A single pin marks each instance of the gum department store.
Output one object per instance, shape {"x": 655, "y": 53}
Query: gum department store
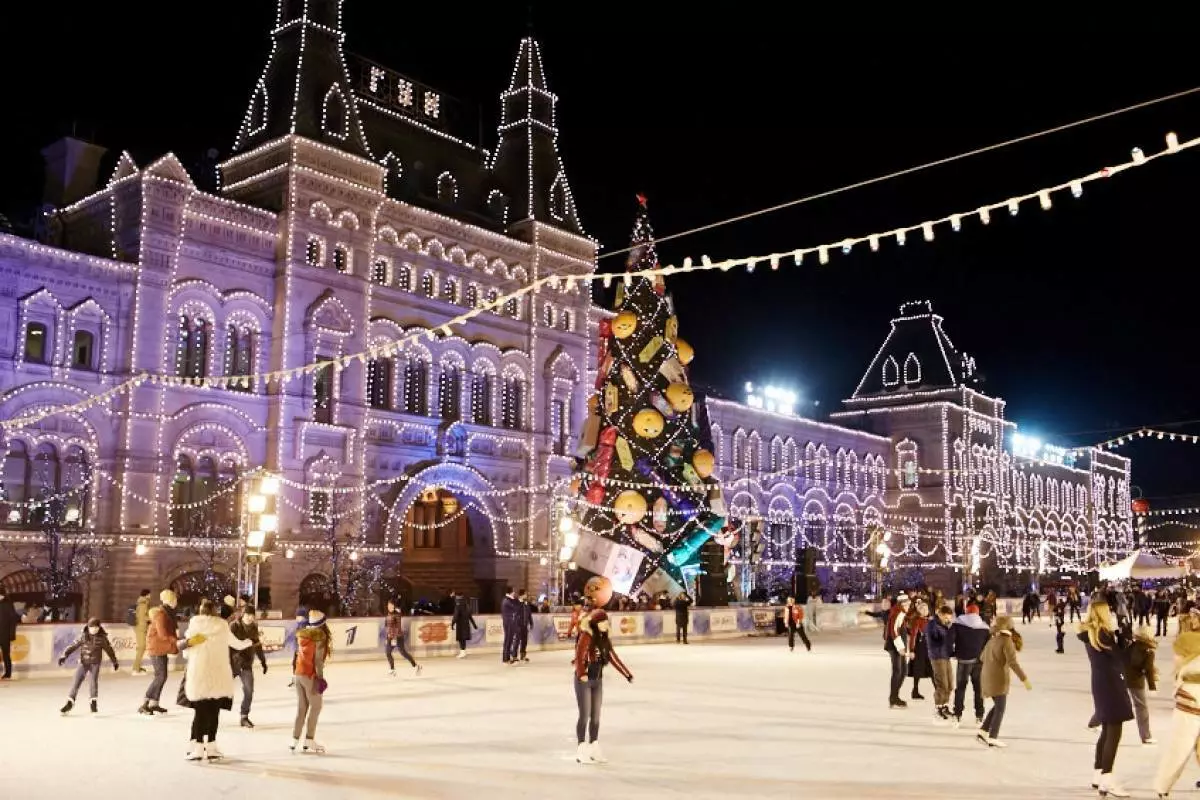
{"x": 351, "y": 215}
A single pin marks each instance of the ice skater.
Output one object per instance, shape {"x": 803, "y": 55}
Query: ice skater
{"x": 510, "y": 617}
{"x": 462, "y": 623}
{"x": 1140, "y": 675}
{"x": 968, "y": 636}
{"x": 162, "y": 642}
{"x": 793, "y": 618}
{"x": 314, "y": 646}
{"x": 301, "y": 621}
{"x": 8, "y": 633}
{"x": 93, "y": 645}
{"x": 999, "y": 657}
{"x": 1113, "y": 708}
{"x": 937, "y": 638}
{"x": 683, "y": 605}
{"x": 242, "y": 661}
{"x": 919, "y": 666}
{"x": 394, "y": 632}
{"x": 1184, "y": 743}
{"x": 524, "y": 625}
{"x": 593, "y": 651}
{"x": 208, "y": 682}
{"x": 1060, "y": 620}
{"x": 141, "y": 624}
{"x": 895, "y": 642}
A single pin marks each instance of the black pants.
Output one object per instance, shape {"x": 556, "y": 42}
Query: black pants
{"x": 1027, "y": 615}
{"x": 397, "y": 644}
{"x": 205, "y": 715}
{"x": 510, "y": 643}
{"x": 969, "y": 671}
{"x": 898, "y": 669}
{"x": 1143, "y": 618}
{"x": 6, "y": 653}
{"x": 522, "y": 641}
{"x": 995, "y": 716}
{"x": 1160, "y": 628}
{"x": 681, "y": 631}
{"x": 1059, "y": 637}
{"x": 1106, "y": 746}
{"x": 1073, "y": 613}
{"x": 793, "y": 632}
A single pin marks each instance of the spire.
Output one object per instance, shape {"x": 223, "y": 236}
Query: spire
{"x": 916, "y": 355}
{"x": 526, "y": 160}
{"x": 304, "y": 88}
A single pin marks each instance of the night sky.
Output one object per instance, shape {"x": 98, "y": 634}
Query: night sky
{"x": 1082, "y": 317}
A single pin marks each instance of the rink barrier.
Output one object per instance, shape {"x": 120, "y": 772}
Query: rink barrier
{"x": 38, "y": 647}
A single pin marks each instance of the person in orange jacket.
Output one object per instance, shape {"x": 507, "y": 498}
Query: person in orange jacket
{"x": 593, "y": 651}
{"x": 793, "y": 618}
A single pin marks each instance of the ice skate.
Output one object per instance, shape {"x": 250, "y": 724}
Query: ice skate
{"x": 583, "y": 754}
{"x": 246, "y": 723}
{"x": 917, "y": 695}
{"x": 66, "y": 709}
{"x": 93, "y": 706}
{"x": 597, "y": 755}
{"x": 1110, "y": 788}
{"x": 1096, "y": 779}
{"x": 461, "y": 654}
{"x": 294, "y": 745}
{"x": 896, "y": 702}
{"x": 391, "y": 673}
{"x": 138, "y": 671}
{"x": 417, "y": 669}
{"x": 1149, "y": 740}
{"x": 212, "y": 752}
{"x": 144, "y": 708}
{"x": 157, "y": 709}
{"x": 195, "y": 751}
{"x": 311, "y": 746}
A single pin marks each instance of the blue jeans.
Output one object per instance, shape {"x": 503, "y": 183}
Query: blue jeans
{"x": 247, "y": 676}
{"x": 589, "y": 697}
{"x": 92, "y": 671}
{"x": 154, "y": 690}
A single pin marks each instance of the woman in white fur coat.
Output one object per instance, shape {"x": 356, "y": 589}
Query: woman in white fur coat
{"x": 208, "y": 684}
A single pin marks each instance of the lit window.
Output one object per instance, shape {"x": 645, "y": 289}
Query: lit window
{"x": 36, "y": 335}
{"x": 82, "y": 350}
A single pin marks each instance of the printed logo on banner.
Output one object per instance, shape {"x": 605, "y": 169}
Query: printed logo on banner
{"x": 20, "y": 648}
{"x": 351, "y": 632}
{"x": 562, "y": 624}
{"x": 271, "y": 638}
{"x": 123, "y": 642}
{"x": 433, "y": 632}
{"x": 764, "y": 618}
{"x": 722, "y": 621}
{"x": 627, "y": 625}
{"x": 653, "y": 623}
{"x": 494, "y": 630}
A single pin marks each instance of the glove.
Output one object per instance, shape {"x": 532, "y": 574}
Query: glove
{"x": 62, "y": 661}
{"x": 1028, "y": 685}
{"x": 264, "y": 666}
{"x": 116, "y": 667}
{"x": 583, "y": 678}
{"x": 199, "y": 638}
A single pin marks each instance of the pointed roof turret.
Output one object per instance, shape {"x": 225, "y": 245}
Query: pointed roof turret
{"x": 305, "y": 88}
{"x": 526, "y": 160}
{"x": 916, "y": 355}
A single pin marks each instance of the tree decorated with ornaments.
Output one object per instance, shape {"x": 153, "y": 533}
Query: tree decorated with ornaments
{"x": 643, "y": 492}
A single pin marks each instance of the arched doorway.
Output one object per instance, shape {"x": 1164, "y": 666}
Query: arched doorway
{"x": 192, "y": 587}
{"x": 27, "y": 586}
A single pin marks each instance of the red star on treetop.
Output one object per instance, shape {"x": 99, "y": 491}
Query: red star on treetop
{"x": 641, "y": 198}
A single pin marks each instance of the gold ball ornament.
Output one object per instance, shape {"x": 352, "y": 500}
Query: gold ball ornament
{"x": 679, "y": 395}
{"x": 648, "y": 423}
{"x": 630, "y": 507}
{"x": 624, "y": 324}
{"x": 685, "y": 352}
{"x": 703, "y": 463}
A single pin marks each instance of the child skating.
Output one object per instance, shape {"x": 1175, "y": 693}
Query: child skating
{"x": 92, "y": 645}
{"x": 1060, "y": 619}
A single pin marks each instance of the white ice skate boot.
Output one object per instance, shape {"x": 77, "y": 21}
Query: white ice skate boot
{"x": 461, "y": 654}
{"x": 1096, "y": 779}
{"x": 311, "y": 747}
{"x": 596, "y": 753}
{"x": 195, "y": 751}
{"x": 1110, "y": 788}
{"x": 212, "y": 752}
{"x": 583, "y": 754}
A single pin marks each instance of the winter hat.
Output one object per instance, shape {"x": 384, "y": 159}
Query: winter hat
{"x": 972, "y": 608}
{"x": 316, "y": 616}
{"x": 302, "y": 611}
{"x": 229, "y": 601}
{"x": 1003, "y": 624}
{"x": 902, "y": 598}
{"x": 168, "y": 598}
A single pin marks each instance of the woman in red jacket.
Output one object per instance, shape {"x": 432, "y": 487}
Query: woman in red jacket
{"x": 593, "y": 650}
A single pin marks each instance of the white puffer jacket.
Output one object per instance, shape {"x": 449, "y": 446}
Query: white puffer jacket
{"x": 209, "y": 675}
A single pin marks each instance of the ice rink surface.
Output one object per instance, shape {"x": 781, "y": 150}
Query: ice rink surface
{"x": 738, "y": 719}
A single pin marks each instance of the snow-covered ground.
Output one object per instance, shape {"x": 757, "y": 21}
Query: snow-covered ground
{"x": 735, "y": 719}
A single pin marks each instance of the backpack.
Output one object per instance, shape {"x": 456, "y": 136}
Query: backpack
{"x": 131, "y": 615}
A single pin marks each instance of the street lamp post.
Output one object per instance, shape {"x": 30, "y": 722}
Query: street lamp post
{"x": 261, "y": 521}
{"x": 569, "y": 537}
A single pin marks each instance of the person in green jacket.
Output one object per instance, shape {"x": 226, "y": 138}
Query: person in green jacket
{"x": 999, "y": 656}
{"x": 1141, "y": 675}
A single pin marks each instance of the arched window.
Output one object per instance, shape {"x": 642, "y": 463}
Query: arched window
{"x": 181, "y": 495}
{"x": 449, "y": 390}
{"x": 428, "y": 285}
{"x": 472, "y": 296}
{"x": 239, "y": 354}
{"x": 83, "y": 350}
{"x": 37, "y": 342}
{"x": 891, "y": 372}
{"x": 567, "y": 320}
{"x": 379, "y": 272}
{"x": 548, "y": 315}
{"x": 323, "y": 391}
{"x": 512, "y": 308}
{"x": 906, "y": 458}
{"x": 416, "y": 386}
{"x": 492, "y": 297}
{"x": 379, "y": 383}
{"x": 77, "y": 482}
{"x": 912, "y": 370}
{"x": 335, "y": 117}
{"x": 16, "y": 482}
{"x": 450, "y": 291}
{"x": 227, "y": 508}
{"x": 341, "y": 259}
{"x": 447, "y": 188}
{"x": 481, "y": 398}
{"x": 511, "y": 403}
{"x": 314, "y": 252}
{"x": 191, "y": 348}
{"x": 404, "y": 277}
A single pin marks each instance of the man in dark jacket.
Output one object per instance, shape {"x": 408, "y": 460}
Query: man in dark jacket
{"x": 968, "y": 636}
{"x": 524, "y": 624}
{"x": 682, "y": 604}
{"x": 242, "y": 661}
{"x": 93, "y": 645}
{"x": 937, "y": 640}
{"x": 511, "y": 616}
{"x": 8, "y": 632}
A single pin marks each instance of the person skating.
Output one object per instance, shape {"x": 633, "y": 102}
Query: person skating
{"x": 314, "y": 646}
{"x": 524, "y": 625}
{"x": 242, "y": 661}
{"x": 999, "y": 656}
{"x": 593, "y": 651}
{"x": 93, "y": 645}
{"x": 1162, "y": 611}
{"x": 1141, "y": 675}
{"x": 141, "y": 624}
{"x": 683, "y": 605}
{"x": 462, "y": 623}
{"x": 1110, "y": 696}
{"x": 919, "y": 666}
{"x": 1184, "y": 742}
{"x": 394, "y": 633}
{"x": 8, "y": 632}
{"x": 1073, "y": 603}
{"x": 793, "y": 620}
{"x": 1032, "y": 605}
{"x": 1060, "y": 621}
{"x": 208, "y": 682}
{"x": 895, "y": 642}
{"x": 937, "y": 641}
{"x": 162, "y": 642}
{"x": 511, "y": 617}
{"x": 968, "y": 636}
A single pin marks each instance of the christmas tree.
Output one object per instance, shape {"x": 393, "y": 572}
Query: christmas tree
{"x": 644, "y": 493}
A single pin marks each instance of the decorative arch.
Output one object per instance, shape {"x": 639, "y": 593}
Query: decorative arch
{"x": 335, "y": 113}
{"x": 912, "y": 370}
{"x": 489, "y": 532}
{"x": 891, "y": 372}
{"x": 447, "y": 188}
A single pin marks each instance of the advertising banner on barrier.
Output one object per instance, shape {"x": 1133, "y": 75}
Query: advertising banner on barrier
{"x": 626, "y": 625}
{"x": 355, "y": 635}
{"x": 430, "y": 631}
{"x": 562, "y": 624}
{"x": 655, "y": 622}
{"x": 723, "y": 621}
{"x": 764, "y": 618}
{"x": 494, "y": 631}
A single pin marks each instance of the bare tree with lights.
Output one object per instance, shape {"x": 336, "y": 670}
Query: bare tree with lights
{"x": 353, "y": 577}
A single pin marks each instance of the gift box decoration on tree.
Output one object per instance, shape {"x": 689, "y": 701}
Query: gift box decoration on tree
{"x": 645, "y": 482}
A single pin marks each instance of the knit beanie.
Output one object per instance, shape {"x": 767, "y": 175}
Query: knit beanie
{"x": 168, "y": 598}
{"x": 316, "y": 616}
